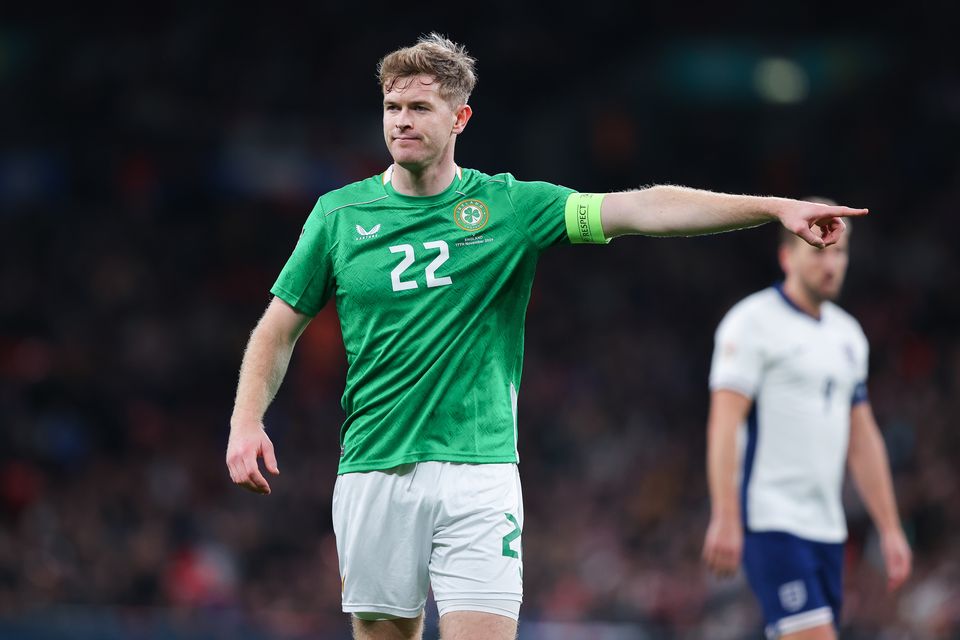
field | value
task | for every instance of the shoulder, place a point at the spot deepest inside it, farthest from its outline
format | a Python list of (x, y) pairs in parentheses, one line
[(748, 321), (753, 309), (509, 182), (497, 185), (483, 177), (841, 315), (355, 193), (474, 175), (481, 180), (845, 321)]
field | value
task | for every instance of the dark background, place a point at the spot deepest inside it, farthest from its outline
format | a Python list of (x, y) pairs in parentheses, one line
[(157, 163)]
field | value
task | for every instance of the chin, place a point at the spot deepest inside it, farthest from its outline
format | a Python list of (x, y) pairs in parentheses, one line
[(407, 159), (410, 164)]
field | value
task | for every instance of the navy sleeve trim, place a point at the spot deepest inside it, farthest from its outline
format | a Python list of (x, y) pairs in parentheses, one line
[(859, 394)]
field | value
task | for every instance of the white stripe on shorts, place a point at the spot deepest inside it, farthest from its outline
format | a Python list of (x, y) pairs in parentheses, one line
[(801, 622)]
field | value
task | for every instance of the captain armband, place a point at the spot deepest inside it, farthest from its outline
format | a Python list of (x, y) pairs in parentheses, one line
[(582, 215), (859, 394)]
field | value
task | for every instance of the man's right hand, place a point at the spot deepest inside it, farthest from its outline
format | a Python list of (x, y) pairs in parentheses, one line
[(723, 546), (249, 441)]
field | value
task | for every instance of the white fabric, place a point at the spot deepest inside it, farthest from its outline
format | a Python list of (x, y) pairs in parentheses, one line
[(438, 524), (506, 608), (801, 622), (801, 373)]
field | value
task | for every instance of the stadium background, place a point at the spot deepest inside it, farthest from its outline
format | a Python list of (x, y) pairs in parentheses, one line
[(156, 166)]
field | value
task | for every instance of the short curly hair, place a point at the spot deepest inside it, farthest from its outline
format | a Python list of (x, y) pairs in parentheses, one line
[(433, 55)]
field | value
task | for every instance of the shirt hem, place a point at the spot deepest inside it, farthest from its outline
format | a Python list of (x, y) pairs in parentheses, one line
[(381, 465), (834, 537), (734, 384)]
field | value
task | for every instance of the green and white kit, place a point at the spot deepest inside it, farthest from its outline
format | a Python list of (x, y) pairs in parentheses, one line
[(431, 293)]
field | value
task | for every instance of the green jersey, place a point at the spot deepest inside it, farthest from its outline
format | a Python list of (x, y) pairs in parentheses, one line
[(431, 293)]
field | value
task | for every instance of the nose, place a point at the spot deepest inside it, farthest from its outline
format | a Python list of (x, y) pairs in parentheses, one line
[(831, 265), (403, 120)]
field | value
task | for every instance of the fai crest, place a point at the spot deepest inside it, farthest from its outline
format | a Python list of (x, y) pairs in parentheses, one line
[(471, 215)]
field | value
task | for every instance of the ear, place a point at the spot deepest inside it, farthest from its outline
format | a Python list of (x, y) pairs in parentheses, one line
[(463, 114), (783, 255)]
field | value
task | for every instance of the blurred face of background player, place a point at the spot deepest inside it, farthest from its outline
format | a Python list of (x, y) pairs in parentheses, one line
[(814, 275), (419, 125)]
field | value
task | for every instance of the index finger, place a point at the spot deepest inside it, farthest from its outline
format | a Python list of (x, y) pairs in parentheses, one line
[(254, 477), (848, 211)]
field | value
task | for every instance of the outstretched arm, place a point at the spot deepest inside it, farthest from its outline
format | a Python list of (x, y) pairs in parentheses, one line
[(264, 365), (665, 210), (723, 544), (867, 459)]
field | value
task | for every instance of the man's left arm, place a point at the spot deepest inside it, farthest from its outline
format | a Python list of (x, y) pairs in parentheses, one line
[(870, 468), (666, 210)]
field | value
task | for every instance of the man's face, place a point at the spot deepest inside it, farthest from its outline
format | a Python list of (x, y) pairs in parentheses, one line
[(418, 125), (819, 271)]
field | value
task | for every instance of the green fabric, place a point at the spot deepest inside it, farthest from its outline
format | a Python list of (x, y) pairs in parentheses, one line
[(431, 293), (510, 537)]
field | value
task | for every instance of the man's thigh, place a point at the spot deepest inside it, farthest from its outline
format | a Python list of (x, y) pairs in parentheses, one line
[(474, 625), (823, 632), (396, 629)]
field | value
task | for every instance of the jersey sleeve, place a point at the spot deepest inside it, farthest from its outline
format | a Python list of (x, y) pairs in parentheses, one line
[(738, 355), (306, 281), (552, 215)]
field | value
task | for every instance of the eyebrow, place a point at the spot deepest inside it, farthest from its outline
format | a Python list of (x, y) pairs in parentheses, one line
[(412, 103)]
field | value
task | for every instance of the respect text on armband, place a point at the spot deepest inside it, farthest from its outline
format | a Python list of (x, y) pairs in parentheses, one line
[(583, 222)]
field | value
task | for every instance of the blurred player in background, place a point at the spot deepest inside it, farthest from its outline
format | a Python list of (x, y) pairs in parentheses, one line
[(789, 378), (431, 265)]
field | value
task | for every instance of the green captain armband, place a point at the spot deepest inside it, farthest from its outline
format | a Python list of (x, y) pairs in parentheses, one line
[(582, 215)]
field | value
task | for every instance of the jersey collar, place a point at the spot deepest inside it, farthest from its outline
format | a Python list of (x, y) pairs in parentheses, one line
[(793, 305), (387, 177), (388, 174)]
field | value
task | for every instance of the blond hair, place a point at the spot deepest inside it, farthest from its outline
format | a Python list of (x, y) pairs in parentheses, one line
[(437, 56)]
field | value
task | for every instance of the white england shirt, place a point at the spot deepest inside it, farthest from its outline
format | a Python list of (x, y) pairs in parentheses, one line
[(804, 375)]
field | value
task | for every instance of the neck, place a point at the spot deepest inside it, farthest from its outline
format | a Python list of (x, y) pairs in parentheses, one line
[(423, 181), (802, 297)]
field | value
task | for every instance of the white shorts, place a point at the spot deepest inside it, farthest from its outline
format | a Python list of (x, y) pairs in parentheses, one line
[(455, 527)]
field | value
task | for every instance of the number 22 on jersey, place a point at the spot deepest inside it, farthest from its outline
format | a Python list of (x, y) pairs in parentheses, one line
[(431, 271)]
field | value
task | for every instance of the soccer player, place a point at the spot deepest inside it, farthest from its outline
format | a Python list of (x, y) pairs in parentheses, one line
[(431, 266), (789, 378)]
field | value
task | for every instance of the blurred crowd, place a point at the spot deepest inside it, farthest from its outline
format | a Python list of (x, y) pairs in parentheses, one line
[(155, 170)]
